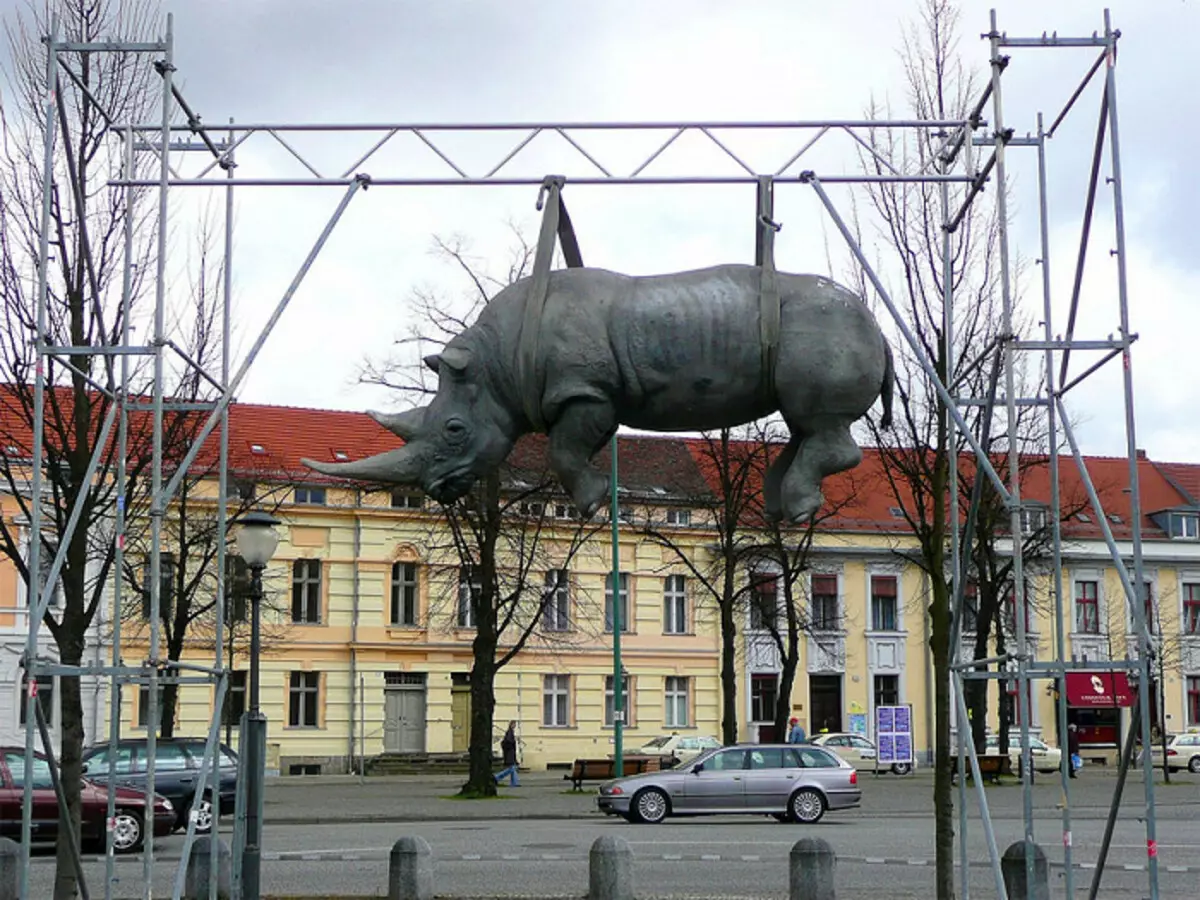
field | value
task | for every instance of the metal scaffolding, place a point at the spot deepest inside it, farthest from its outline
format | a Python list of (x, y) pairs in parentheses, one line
[(170, 140)]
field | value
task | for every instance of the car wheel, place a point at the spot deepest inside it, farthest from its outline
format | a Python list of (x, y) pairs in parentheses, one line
[(807, 806), (1194, 765), (650, 806), (901, 768), (204, 817), (127, 831)]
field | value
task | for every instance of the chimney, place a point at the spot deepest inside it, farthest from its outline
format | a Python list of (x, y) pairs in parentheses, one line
[(1141, 454)]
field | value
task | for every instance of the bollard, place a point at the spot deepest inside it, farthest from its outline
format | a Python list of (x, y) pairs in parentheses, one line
[(610, 869), (410, 870), (810, 873), (1012, 867), (199, 870), (10, 869)]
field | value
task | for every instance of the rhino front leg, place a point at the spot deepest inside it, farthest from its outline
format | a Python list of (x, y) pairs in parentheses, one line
[(581, 429)]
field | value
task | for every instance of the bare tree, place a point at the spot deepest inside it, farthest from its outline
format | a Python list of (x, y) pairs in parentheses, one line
[(729, 503), (86, 224)]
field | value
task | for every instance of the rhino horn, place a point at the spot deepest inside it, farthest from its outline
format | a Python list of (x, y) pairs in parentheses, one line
[(399, 466), (403, 424)]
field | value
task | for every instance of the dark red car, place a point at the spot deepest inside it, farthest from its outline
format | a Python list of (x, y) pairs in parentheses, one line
[(129, 831)]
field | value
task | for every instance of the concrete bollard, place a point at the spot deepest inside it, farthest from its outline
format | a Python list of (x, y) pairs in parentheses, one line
[(1012, 867), (610, 869), (810, 873), (410, 870), (10, 869), (200, 867)]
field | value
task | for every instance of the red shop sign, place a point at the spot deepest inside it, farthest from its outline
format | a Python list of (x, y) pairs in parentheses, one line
[(1099, 689)]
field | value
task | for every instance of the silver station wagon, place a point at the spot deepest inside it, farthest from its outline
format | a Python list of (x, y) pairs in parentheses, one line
[(792, 782)]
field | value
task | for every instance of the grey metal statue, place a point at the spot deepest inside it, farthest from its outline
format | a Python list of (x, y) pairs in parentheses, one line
[(692, 351)]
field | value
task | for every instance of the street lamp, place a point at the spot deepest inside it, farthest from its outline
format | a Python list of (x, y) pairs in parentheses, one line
[(256, 542)]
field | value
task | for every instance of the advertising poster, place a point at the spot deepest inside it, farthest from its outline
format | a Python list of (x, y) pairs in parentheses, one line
[(893, 734), (858, 723)]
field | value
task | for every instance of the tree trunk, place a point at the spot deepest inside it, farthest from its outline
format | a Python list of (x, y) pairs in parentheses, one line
[(70, 762), (729, 723), (1004, 704), (943, 799), (481, 781), (976, 690), (170, 698), (783, 702)]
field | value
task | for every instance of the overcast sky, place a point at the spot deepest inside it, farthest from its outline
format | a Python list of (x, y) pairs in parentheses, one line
[(519, 60)]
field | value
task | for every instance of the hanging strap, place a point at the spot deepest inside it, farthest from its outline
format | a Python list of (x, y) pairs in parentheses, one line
[(556, 223), (768, 289)]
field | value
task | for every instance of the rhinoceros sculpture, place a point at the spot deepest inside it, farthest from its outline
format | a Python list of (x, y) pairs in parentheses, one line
[(679, 352)]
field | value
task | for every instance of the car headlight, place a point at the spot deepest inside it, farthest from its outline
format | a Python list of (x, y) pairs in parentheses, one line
[(166, 804)]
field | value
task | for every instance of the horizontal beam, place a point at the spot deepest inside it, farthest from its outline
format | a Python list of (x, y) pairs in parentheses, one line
[(1106, 344), (110, 47), (101, 350), (1052, 40)]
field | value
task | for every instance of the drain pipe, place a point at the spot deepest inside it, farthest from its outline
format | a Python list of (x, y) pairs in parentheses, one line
[(354, 591)]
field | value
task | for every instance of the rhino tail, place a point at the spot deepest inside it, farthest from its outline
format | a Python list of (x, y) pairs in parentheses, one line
[(887, 389)]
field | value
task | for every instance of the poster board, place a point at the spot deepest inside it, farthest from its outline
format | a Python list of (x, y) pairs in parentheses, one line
[(893, 735)]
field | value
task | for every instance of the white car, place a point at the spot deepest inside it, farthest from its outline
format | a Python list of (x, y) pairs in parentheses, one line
[(856, 750), (1183, 752), (1045, 757), (683, 747)]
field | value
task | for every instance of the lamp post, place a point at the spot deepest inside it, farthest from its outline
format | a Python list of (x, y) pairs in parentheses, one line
[(256, 542)]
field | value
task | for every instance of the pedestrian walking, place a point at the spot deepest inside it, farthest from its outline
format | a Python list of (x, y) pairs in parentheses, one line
[(796, 733), (1073, 749), (508, 748)]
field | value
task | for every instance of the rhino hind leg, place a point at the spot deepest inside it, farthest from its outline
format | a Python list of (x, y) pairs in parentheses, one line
[(773, 482), (581, 428), (824, 450)]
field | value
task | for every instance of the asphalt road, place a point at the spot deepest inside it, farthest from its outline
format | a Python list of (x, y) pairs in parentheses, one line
[(536, 844)]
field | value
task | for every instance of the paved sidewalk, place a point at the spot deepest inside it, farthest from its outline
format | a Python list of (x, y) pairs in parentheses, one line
[(546, 795)]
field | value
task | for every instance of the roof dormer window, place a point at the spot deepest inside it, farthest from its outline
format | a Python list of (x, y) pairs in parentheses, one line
[(258, 448), (1185, 526)]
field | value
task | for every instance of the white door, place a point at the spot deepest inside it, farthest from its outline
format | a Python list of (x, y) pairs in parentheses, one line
[(412, 720)]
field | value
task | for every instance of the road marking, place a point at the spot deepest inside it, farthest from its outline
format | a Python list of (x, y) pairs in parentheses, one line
[(472, 856), (672, 856), (878, 860), (1133, 868), (711, 857), (751, 858), (918, 862)]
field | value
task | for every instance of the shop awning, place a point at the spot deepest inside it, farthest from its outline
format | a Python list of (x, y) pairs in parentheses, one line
[(1098, 689)]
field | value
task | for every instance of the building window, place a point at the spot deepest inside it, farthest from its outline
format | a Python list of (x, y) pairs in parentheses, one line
[(1087, 607), (1191, 608), (143, 704), (565, 511), (45, 563), (304, 691), (1149, 607), (470, 595), (675, 604), (1033, 520), (404, 593), (166, 585), (313, 496), (407, 498), (1010, 611), (623, 610), (883, 602), (675, 707), (764, 690), (626, 700), (825, 603), (237, 588), (1193, 701), (679, 517), (306, 591), (556, 601), (235, 698), (764, 601), (45, 697), (887, 690), (1185, 526), (556, 701), (532, 508)]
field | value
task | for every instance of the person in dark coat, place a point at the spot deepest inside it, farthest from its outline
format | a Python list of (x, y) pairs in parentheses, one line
[(1073, 749), (508, 747)]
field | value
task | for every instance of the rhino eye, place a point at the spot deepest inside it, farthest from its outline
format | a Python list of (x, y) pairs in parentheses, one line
[(456, 430)]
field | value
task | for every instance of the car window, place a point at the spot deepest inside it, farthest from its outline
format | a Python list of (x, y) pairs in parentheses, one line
[(729, 759), (99, 762), (709, 743), (688, 744), (227, 758), (836, 741), (16, 768), (862, 743), (171, 758), (767, 758), (659, 742), (813, 758)]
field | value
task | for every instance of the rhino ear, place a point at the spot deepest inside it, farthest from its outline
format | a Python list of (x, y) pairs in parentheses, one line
[(454, 357)]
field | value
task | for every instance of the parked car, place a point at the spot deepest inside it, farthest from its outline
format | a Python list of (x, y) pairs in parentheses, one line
[(129, 832), (684, 748), (1183, 752), (176, 767), (792, 782), (856, 750), (1045, 757)]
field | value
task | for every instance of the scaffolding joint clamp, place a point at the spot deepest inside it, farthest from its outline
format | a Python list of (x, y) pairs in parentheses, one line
[(808, 176), (163, 67), (363, 179), (769, 223)]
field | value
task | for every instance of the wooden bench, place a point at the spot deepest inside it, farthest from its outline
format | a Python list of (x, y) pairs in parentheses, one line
[(991, 767), (603, 769)]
